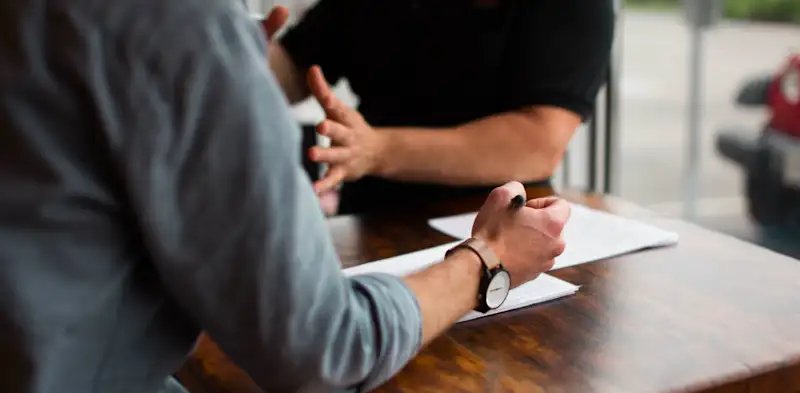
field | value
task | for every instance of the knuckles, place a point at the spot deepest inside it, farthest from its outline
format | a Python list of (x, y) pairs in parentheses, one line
[(558, 247), (555, 226), (549, 264), (555, 219)]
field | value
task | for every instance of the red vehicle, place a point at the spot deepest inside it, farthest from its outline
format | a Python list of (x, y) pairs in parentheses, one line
[(770, 158)]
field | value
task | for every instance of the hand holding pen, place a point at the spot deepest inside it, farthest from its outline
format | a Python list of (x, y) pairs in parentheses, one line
[(525, 235)]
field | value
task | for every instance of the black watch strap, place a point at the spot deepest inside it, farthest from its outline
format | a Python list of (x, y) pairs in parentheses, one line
[(479, 247)]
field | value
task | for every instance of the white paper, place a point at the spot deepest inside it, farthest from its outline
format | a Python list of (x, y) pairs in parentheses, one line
[(590, 235), (543, 289)]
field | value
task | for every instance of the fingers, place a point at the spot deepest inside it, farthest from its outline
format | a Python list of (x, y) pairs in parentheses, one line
[(319, 85), (332, 178), (541, 203), (329, 155), (560, 210), (329, 201), (559, 213), (275, 20), (548, 265), (334, 108), (557, 249), (554, 251), (338, 133), (553, 212)]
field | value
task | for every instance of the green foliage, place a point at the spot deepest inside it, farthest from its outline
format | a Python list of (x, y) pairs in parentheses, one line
[(765, 10), (759, 10)]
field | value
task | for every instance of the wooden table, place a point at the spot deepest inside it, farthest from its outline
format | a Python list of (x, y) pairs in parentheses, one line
[(712, 314)]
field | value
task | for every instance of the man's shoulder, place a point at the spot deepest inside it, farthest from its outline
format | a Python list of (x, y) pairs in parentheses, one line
[(158, 27), (588, 24), (585, 13)]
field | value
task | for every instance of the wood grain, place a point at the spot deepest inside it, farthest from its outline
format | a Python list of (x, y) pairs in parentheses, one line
[(712, 314)]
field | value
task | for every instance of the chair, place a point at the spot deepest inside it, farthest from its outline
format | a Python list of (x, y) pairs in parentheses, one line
[(312, 168)]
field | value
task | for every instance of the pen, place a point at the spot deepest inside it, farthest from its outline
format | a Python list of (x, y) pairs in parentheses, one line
[(517, 202)]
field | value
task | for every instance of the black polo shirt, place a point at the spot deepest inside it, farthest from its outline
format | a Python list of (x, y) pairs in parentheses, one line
[(446, 62)]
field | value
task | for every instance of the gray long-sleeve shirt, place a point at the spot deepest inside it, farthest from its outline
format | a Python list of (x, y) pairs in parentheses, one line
[(151, 187)]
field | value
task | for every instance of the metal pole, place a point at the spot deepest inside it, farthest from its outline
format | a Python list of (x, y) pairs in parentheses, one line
[(592, 150), (612, 119), (694, 126)]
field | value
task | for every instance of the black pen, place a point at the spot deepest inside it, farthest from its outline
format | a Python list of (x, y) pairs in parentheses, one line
[(517, 202)]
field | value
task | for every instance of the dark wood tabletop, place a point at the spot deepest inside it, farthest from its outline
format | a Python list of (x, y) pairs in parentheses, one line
[(712, 314)]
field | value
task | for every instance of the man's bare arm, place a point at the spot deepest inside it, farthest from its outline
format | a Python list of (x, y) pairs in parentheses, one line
[(523, 145), (446, 292)]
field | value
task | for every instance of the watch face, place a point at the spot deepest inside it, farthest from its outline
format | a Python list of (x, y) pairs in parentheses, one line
[(498, 289)]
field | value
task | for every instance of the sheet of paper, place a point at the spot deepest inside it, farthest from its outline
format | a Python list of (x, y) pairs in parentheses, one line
[(590, 235), (543, 289)]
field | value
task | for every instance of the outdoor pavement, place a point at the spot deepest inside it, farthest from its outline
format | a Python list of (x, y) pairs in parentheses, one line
[(654, 105), (654, 101)]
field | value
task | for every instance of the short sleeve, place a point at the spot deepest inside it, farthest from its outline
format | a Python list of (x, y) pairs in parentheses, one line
[(316, 39), (559, 53)]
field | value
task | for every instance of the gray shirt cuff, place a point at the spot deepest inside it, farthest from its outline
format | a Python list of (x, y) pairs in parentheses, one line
[(397, 316)]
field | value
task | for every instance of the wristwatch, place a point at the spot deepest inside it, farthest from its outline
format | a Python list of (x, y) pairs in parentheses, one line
[(495, 280)]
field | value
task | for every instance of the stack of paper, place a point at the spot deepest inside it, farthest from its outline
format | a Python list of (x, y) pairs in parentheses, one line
[(590, 235), (542, 289)]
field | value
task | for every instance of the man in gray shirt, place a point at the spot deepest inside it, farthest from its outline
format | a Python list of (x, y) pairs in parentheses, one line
[(150, 188)]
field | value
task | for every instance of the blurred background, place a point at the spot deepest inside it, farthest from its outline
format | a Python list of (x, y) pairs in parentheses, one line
[(652, 126)]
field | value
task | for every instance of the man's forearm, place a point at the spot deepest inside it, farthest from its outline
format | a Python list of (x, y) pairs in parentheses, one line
[(446, 292), (489, 151)]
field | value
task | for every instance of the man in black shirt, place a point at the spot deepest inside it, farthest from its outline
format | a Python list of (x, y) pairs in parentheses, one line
[(455, 95)]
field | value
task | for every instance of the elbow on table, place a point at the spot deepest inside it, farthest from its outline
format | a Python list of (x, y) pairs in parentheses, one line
[(356, 346), (319, 364), (339, 355), (542, 148)]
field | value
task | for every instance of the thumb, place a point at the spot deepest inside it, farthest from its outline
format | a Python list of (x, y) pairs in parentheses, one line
[(498, 202), (275, 20), (500, 197)]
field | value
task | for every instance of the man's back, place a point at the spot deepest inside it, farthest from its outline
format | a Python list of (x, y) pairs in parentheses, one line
[(150, 186), (81, 306)]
